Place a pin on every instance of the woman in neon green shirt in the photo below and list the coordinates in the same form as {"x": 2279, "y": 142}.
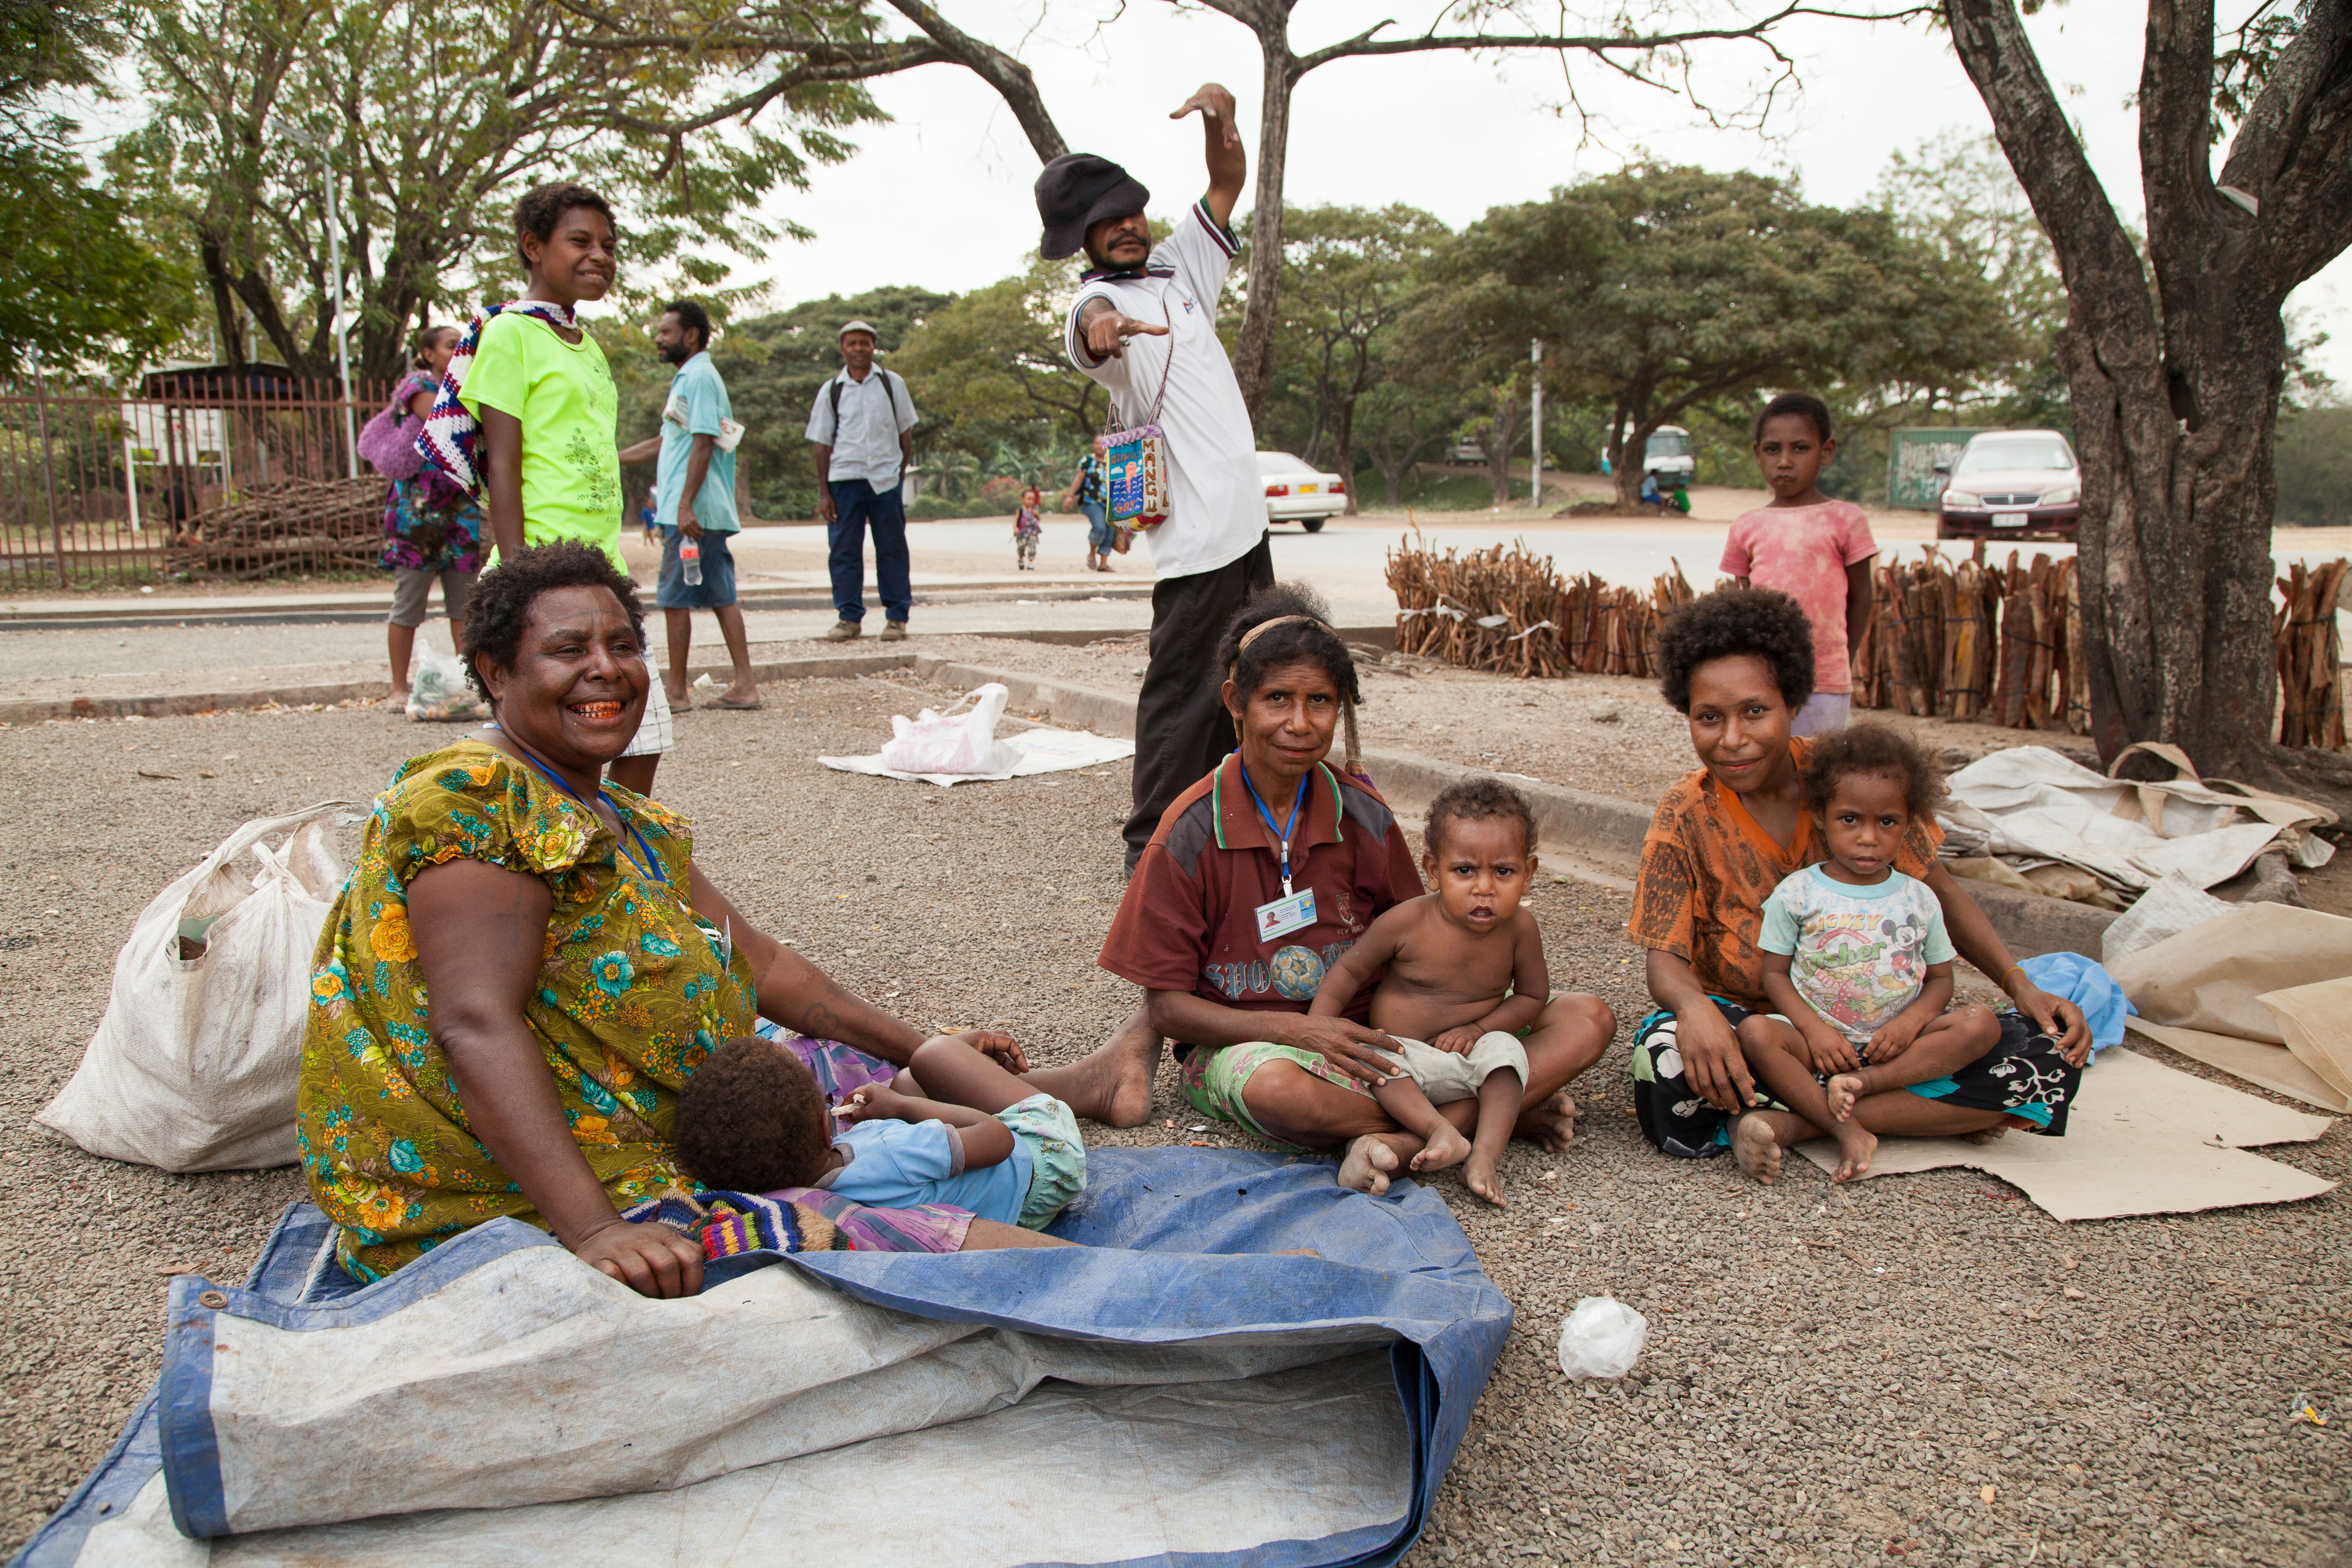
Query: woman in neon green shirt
{"x": 543, "y": 396}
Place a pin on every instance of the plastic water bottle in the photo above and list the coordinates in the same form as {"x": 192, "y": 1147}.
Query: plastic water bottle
{"x": 689, "y": 556}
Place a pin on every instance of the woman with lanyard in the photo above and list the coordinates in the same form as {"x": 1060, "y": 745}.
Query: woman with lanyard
{"x": 524, "y": 968}
{"x": 1259, "y": 876}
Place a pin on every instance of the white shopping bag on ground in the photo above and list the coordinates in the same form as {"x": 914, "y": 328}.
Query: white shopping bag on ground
{"x": 439, "y": 690}
{"x": 959, "y": 741}
{"x": 193, "y": 1067}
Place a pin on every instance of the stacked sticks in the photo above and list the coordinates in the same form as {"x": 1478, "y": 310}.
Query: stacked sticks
{"x": 300, "y": 524}
{"x": 2311, "y": 656}
{"x": 1959, "y": 640}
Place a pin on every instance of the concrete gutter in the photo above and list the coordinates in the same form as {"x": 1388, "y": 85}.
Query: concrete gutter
{"x": 1593, "y": 836}
{"x": 1596, "y": 838}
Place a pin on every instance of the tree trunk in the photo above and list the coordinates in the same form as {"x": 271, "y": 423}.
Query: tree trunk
{"x": 1254, "y": 348}
{"x": 1627, "y": 463}
{"x": 2175, "y": 413}
{"x": 1502, "y": 435}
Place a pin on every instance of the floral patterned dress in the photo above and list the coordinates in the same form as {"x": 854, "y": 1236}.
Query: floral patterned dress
{"x": 634, "y": 994}
{"x": 422, "y": 538}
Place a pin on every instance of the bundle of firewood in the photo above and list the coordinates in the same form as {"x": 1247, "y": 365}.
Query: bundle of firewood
{"x": 1961, "y": 640}
{"x": 292, "y": 525}
{"x": 1972, "y": 642}
{"x": 2311, "y": 656}
{"x": 1492, "y": 609}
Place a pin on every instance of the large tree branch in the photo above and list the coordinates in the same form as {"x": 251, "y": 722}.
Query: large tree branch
{"x": 1599, "y": 44}
{"x": 1008, "y": 76}
{"x": 2293, "y": 154}
{"x": 2185, "y": 217}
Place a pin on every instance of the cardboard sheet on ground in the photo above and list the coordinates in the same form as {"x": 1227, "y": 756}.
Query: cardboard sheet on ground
{"x": 2261, "y": 990}
{"x": 1041, "y": 751}
{"x": 2142, "y": 1139}
{"x": 1171, "y": 1393}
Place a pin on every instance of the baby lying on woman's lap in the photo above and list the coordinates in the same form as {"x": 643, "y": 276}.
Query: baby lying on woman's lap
{"x": 1466, "y": 975}
{"x": 955, "y": 1127}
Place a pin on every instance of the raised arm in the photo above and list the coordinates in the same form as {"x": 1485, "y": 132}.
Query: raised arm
{"x": 801, "y": 997}
{"x": 1222, "y": 139}
{"x": 480, "y": 935}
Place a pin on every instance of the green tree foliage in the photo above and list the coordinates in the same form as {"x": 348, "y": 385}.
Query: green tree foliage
{"x": 1349, "y": 277}
{"x": 990, "y": 370}
{"x": 77, "y": 283}
{"x": 1660, "y": 289}
{"x": 2313, "y": 460}
{"x": 430, "y": 119}
{"x": 773, "y": 365}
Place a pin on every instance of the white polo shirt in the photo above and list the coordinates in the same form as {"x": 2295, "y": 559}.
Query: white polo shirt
{"x": 1216, "y": 513}
{"x": 873, "y": 412}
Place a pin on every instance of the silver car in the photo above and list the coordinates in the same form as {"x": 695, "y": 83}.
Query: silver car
{"x": 1297, "y": 493}
{"x": 2018, "y": 484}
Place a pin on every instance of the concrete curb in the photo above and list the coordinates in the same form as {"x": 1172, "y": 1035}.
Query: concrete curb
{"x": 1600, "y": 836}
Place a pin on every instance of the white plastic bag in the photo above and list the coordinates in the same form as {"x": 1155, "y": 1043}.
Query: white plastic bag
{"x": 956, "y": 741}
{"x": 193, "y": 1067}
{"x": 438, "y": 690}
{"x": 1602, "y": 1338}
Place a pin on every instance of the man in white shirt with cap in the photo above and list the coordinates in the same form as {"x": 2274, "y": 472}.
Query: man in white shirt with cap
{"x": 862, "y": 430}
{"x": 1144, "y": 326}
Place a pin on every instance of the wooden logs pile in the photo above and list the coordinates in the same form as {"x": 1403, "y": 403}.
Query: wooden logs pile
{"x": 1958, "y": 639}
{"x": 1492, "y": 609}
{"x": 2311, "y": 656}
{"x": 1973, "y": 642}
{"x": 292, "y": 525}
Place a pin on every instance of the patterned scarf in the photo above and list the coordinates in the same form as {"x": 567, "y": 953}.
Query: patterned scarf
{"x": 452, "y": 474}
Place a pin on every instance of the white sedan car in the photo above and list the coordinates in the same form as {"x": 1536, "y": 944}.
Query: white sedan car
{"x": 1297, "y": 493}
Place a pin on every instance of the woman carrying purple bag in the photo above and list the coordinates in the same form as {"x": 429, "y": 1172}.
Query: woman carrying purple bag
{"x": 421, "y": 541}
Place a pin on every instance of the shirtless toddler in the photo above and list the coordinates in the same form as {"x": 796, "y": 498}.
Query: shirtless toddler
{"x": 1451, "y": 956}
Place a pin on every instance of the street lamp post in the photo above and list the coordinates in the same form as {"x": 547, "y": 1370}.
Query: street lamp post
{"x": 301, "y": 136}
{"x": 1535, "y": 418}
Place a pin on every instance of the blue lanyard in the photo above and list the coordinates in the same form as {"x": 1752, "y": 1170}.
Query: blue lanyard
{"x": 1281, "y": 834}
{"x": 656, "y": 874}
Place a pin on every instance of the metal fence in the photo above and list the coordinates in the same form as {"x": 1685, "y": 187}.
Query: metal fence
{"x": 206, "y": 472}
{"x": 1912, "y": 482}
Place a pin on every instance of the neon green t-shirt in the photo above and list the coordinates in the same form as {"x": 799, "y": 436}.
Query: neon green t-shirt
{"x": 564, "y": 395}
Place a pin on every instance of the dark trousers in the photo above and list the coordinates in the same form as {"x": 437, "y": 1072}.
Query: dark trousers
{"x": 1181, "y": 728}
{"x": 855, "y": 505}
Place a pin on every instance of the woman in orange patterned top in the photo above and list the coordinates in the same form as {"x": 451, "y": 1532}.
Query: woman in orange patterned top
{"x": 1738, "y": 663}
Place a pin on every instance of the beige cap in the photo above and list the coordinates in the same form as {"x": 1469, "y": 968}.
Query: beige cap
{"x": 865, "y": 327}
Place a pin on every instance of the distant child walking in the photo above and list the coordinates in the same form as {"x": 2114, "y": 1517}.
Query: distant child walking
{"x": 1026, "y": 526}
{"x": 1858, "y": 963}
{"x": 1817, "y": 550}
{"x": 1451, "y": 956}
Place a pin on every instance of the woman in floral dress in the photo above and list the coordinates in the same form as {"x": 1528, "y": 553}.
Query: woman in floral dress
{"x": 422, "y": 543}
{"x": 524, "y": 968}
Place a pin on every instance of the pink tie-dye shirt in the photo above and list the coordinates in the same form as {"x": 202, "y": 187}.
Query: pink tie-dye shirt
{"x": 1804, "y": 552}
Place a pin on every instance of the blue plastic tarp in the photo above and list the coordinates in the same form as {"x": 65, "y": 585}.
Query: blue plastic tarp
{"x": 1175, "y": 1392}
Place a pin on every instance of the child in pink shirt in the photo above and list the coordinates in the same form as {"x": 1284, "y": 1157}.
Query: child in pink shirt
{"x": 1815, "y": 550}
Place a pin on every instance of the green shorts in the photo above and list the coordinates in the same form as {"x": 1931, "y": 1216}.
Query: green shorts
{"x": 1058, "y": 1156}
{"x": 1214, "y": 1077}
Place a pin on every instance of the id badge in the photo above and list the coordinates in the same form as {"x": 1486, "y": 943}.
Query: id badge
{"x": 1284, "y": 916}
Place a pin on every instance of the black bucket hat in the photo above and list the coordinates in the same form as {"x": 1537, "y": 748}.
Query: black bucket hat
{"x": 1079, "y": 190}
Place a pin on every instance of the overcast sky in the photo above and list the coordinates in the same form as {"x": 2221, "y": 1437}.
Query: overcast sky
{"x": 941, "y": 196}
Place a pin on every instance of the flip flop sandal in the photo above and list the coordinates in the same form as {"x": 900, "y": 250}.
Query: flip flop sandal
{"x": 728, "y": 703}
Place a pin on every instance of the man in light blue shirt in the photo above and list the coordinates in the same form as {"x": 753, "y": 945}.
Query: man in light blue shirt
{"x": 693, "y": 503}
{"x": 862, "y": 429}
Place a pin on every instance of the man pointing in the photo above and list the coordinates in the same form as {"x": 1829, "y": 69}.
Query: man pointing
{"x": 1144, "y": 326}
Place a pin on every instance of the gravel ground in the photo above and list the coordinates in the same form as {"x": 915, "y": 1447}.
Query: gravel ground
{"x": 1833, "y": 1374}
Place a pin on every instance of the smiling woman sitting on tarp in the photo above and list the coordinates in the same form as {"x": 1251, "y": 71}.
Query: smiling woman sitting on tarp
{"x": 1738, "y": 663}
{"x": 1263, "y": 873}
{"x": 578, "y": 966}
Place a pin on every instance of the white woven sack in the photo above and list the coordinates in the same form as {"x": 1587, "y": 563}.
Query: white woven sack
{"x": 193, "y": 1067}
{"x": 959, "y": 741}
